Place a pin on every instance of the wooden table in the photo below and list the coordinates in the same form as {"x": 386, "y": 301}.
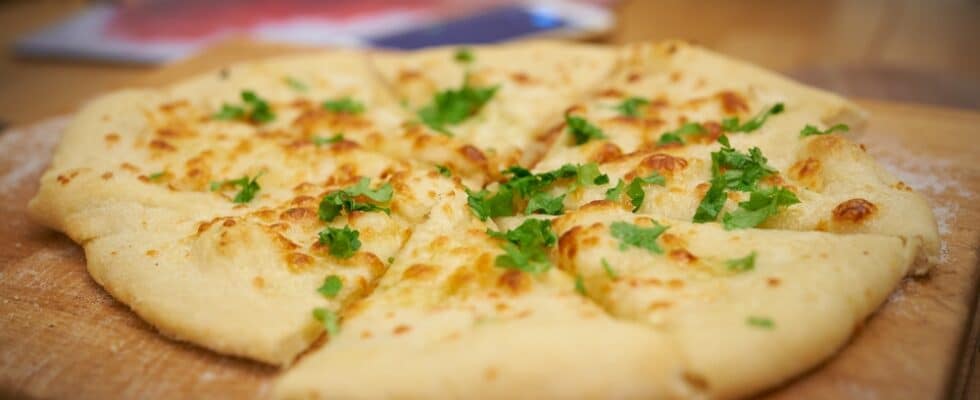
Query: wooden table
{"x": 61, "y": 336}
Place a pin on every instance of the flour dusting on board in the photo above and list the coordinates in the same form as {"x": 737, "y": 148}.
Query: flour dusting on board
{"x": 26, "y": 151}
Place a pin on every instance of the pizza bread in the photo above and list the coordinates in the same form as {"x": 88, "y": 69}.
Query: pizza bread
{"x": 465, "y": 222}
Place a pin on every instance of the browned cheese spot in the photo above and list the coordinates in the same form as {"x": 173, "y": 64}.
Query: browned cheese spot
{"x": 298, "y": 261}
{"x": 732, "y": 103}
{"x": 419, "y": 272}
{"x": 665, "y": 164}
{"x": 807, "y": 172}
{"x": 298, "y": 214}
{"x": 258, "y": 282}
{"x": 606, "y": 152}
{"x": 682, "y": 256}
{"x": 854, "y": 211}
{"x": 514, "y": 280}
{"x": 111, "y": 138}
{"x": 106, "y": 176}
{"x": 401, "y": 329}
{"x": 695, "y": 380}
{"x": 162, "y": 145}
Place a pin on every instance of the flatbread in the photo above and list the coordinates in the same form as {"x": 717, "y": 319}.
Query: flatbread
{"x": 198, "y": 206}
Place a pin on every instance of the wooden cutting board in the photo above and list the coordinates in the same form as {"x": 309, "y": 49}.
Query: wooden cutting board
{"x": 63, "y": 337}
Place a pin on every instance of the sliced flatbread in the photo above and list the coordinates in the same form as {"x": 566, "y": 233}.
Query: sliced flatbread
{"x": 747, "y": 309}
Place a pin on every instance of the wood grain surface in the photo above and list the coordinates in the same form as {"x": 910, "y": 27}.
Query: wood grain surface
{"x": 63, "y": 337}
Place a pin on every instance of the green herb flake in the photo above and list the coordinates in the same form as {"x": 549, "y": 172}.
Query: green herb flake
{"x": 610, "y": 272}
{"x": 582, "y": 131}
{"x": 523, "y": 186}
{"x": 732, "y": 124}
{"x": 542, "y": 203}
{"x": 463, "y": 55}
{"x": 350, "y": 199}
{"x": 320, "y": 140}
{"x": 486, "y": 205}
{"x": 613, "y": 193}
{"x": 344, "y": 105}
{"x": 731, "y": 170}
{"x": 229, "y": 112}
{"x": 328, "y": 319}
{"x": 762, "y": 204}
{"x": 331, "y": 286}
{"x": 295, "y": 84}
{"x": 444, "y": 171}
{"x": 255, "y": 109}
{"x": 453, "y": 106}
{"x": 249, "y": 187}
{"x": 579, "y": 285}
{"x": 631, "y": 106}
{"x": 743, "y": 264}
{"x": 526, "y": 247}
{"x": 342, "y": 242}
{"x": 676, "y": 136}
{"x": 811, "y": 130}
{"x": 637, "y": 236}
{"x": 157, "y": 176}
{"x": 760, "y": 322}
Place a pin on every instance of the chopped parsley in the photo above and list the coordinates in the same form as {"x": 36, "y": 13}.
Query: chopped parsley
{"x": 453, "y": 106}
{"x": 676, "y": 136}
{"x": 249, "y": 187}
{"x": 295, "y": 84}
{"x": 320, "y": 140}
{"x": 810, "y": 130}
{"x": 156, "y": 176}
{"x": 732, "y": 124}
{"x": 526, "y": 247}
{"x": 463, "y": 55}
{"x": 255, "y": 109}
{"x": 762, "y": 204}
{"x": 731, "y": 170}
{"x": 342, "y": 242}
{"x": 331, "y": 286}
{"x": 638, "y": 236}
{"x": 760, "y": 322}
{"x": 444, "y": 171}
{"x": 344, "y": 105}
{"x": 328, "y": 319}
{"x": 579, "y": 285}
{"x": 582, "y": 131}
{"x": 631, "y": 106}
{"x": 610, "y": 272}
{"x": 634, "y": 190}
{"x": 349, "y": 199}
{"x": 746, "y": 263}
{"x": 525, "y": 186}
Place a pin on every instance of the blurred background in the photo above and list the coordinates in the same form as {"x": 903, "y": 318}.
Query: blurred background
{"x": 56, "y": 54}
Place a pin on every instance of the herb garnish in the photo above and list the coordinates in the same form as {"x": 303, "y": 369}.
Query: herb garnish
{"x": 249, "y": 187}
{"x": 255, "y": 109}
{"x": 328, "y": 319}
{"x": 342, "y": 242}
{"x": 732, "y": 124}
{"x": 762, "y": 204}
{"x": 676, "y": 136}
{"x": 580, "y": 285}
{"x": 731, "y": 170}
{"x": 634, "y": 190}
{"x": 609, "y": 271}
{"x": 582, "y": 131}
{"x": 630, "y": 107}
{"x": 453, "y": 106}
{"x": 344, "y": 105}
{"x": 760, "y": 322}
{"x": 526, "y": 247}
{"x": 320, "y": 140}
{"x": 638, "y": 236}
{"x": 156, "y": 176}
{"x": 810, "y": 130}
{"x": 444, "y": 171}
{"x": 295, "y": 84}
{"x": 463, "y": 55}
{"x": 746, "y": 263}
{"x": 348, "y": 199}
{"x": 331, "y": 286}
{"x": 526, "y": 186}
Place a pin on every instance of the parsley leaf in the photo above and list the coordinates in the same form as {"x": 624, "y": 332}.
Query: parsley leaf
{"x": 344, "y": 105}
{"x": 328, "y": 319}
{"x": 347, "y": 199}
{"x": 463, "y": 55}
{"x": 732, "y": 124}
{"x": 579, "y": 285}
{"x": 762, "y": 204}
{"x": 295, "y": 84}
{"x": 638, "y": 236}
{"x": 256, "y": 109}
{"x": 331, "y": 286}
{"x": 444, "y": 171}
{"x": 731, "y": 169}
{"x": 630, "y": 107}
{"x": 453, "y": 106}
{"x": 616, "y": 191}
{"x": 609, "y": 271}
{"x": 485, "y": 205}
{"x": 634, "y": 190}
{"x": 526, "y": 246}
{"x": 229, "y": 111}
{"x": 582, "y": 131}
{"x": 810, "y": 130}
{"x": 320, "y": 140}
{"x": 249, "y": 187}
{"x": 746, "y": 263}
{"x": 712, "y": 202}
{"x": 156, "y": 176}
{"x": 675, "y": 136}
{"x": 343, "y": 243}
{"x": 760, "y": 322}
{"x": 544, "y": 204}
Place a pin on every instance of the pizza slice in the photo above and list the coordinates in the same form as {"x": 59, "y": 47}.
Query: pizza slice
{"x": 225, "y": 233}
{"x": 487, "y": 104}
{"x": 747, "y": 309}
{"x": 467, "y": 310}
{"x": 672, "y": 94}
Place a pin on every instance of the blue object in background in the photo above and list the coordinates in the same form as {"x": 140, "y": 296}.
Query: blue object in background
{"x": 487, "y": 27}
